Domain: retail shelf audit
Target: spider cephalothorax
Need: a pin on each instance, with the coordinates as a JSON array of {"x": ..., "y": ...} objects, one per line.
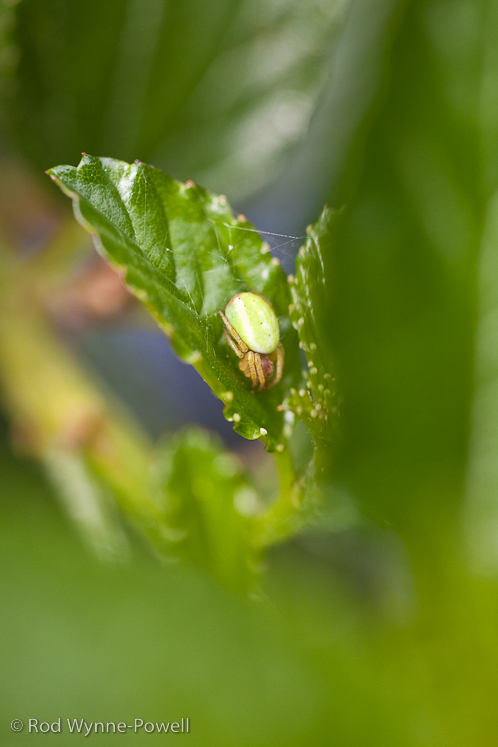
[{"x": 252, "y": 331}]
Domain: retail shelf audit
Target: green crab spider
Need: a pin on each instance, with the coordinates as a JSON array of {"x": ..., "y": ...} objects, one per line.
[{"x": 252, "y": 331}]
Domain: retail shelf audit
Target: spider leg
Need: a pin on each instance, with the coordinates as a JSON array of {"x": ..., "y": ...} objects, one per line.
[
  {"x": 250, "y": 362},
  {"x": 247, "y": 365},
  {"x": 242, "y": 346},
  {"x": 233, "y": 345},
  {"x": 259, "y": 371},
  {"x": 279, "y": 366}
]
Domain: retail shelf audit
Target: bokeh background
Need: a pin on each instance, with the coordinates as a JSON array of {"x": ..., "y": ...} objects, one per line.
[{"x": 377, "y": 625}]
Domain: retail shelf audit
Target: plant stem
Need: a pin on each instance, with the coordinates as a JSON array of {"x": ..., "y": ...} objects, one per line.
[{"x": 57, "y": 410}]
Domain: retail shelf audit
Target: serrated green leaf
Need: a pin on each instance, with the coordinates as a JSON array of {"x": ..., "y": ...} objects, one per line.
[
  {"x": 208, "y": 507},
  {"x": 185, "y": 255},
  {"x": 316, "y": 403}
]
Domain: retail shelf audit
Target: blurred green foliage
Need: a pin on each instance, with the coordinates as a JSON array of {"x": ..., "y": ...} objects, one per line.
[
  {"x": 217, "y": 92},
  {"x": 377, "y": 624},
  {"x": 207, "y": 504}
]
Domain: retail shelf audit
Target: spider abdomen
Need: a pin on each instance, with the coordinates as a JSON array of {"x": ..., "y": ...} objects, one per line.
[{"x": 255, "y": 321}]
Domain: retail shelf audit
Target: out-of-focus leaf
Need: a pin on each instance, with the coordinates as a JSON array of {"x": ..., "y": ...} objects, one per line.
[
  {"x": 257, "y": 96},
  {"x": 481, "y": 514},
  {"x": 402, "y": 263},
  {"x": 216, "y": 92},
  {"x": 8, "y": 52},
  {"x": 208, "y": 507},
  {"x": 62, "y": 106},
  {"x": 481, "y": 510},
  {"x": 185, "y": 256}
]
